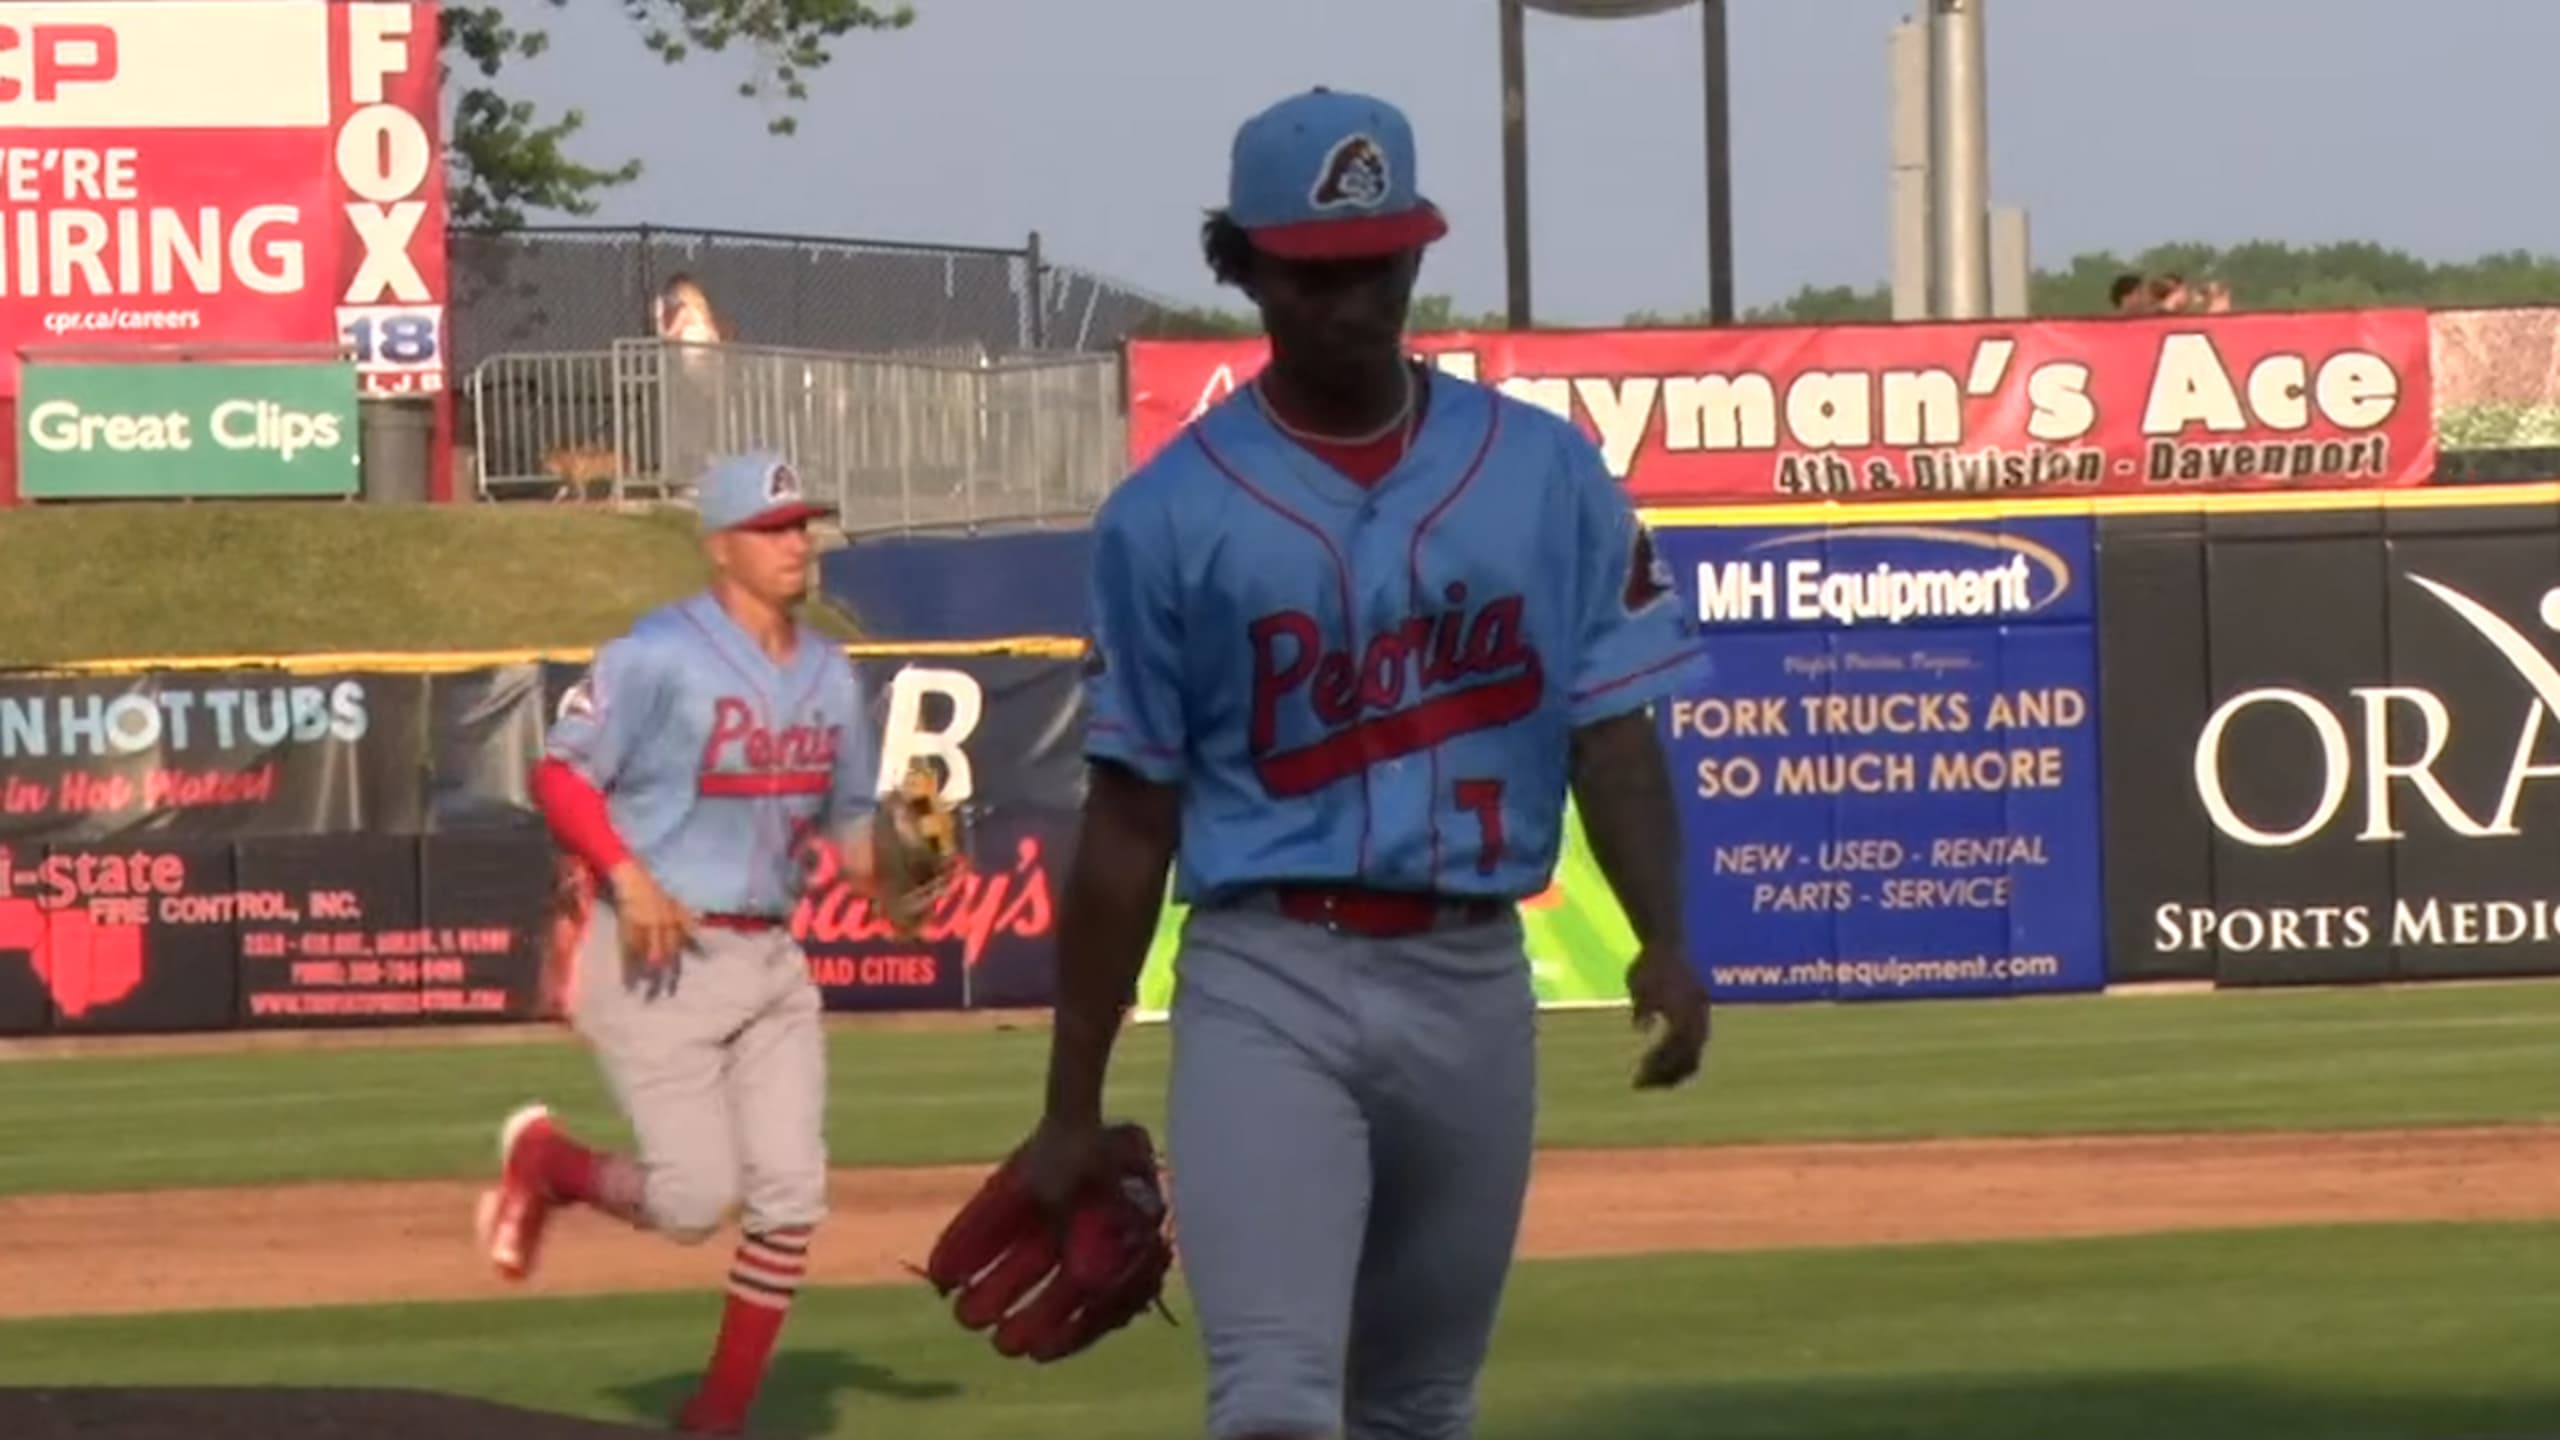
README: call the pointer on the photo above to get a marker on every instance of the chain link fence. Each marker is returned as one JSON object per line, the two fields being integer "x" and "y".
{"x": 916, "y": 385}
{"x": 585, "y": 287}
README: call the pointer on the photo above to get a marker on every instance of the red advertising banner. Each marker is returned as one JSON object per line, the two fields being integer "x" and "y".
{"x": 221, "y": 173}
{"x": 1928, "y": 411}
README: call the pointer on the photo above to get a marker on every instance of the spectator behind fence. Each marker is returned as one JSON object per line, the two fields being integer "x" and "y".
{"x": 2130, "y": 295}
{"x": 684, "y": 313}
{"x": 689, "y": 396}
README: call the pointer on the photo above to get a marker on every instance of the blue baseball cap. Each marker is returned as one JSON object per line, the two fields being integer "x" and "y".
{"x": 755, "y": 491}
{"x": 1329, "y": 175}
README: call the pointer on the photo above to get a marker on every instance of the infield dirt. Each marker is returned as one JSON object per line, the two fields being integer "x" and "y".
{"x": 344, "y": 1243}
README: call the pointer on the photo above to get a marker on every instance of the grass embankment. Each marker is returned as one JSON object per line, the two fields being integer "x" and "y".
{"x": 96, "y": 582}
{"x": 2327, "y": 1060}
{"x": 2395, "y": 1333}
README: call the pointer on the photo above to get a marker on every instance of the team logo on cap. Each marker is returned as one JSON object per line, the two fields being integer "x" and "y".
{"x": 1354, "y": 176}
{"x": 782, "y": 483}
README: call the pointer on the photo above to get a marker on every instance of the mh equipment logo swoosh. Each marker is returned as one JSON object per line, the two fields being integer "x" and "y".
{"x": 1994, "y": 575}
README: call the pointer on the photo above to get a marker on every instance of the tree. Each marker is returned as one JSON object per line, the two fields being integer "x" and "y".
{"x": 2262, "y": 275}
{"x": 1430, "y": 314}
{"x": 1439, "y": 312}
{"x": 1195, "y": 323}
{"x": 505, "y": 159}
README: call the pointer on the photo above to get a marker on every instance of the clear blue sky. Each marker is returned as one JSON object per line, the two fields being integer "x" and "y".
{"x": 2116, "y": 125}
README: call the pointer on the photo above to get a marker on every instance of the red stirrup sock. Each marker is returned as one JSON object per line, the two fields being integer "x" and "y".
{"x": 575, "y": 1174}
{"x": 762, "y": 1282}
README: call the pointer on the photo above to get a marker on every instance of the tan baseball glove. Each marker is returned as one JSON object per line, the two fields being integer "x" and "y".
{"x": 915, "y": 849}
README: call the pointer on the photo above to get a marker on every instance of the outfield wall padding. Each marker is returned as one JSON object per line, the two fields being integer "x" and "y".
{"x": 2380, "y": 799}
{"x": 952, "y": 589}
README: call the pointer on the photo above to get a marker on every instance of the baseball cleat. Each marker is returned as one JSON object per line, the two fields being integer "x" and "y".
{"x": 511, "y": 1217}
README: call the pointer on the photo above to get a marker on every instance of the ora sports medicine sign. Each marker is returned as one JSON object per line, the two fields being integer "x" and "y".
{"x": 98, "y": 432}
{"x": 2372, "y": 764}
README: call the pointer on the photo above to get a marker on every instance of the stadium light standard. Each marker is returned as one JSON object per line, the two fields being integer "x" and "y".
{"x": 1715, "y": 67}
{"x": 1959, "y": 160}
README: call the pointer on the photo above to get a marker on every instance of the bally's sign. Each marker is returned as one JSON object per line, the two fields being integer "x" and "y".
{"x": 1876, "y": 575}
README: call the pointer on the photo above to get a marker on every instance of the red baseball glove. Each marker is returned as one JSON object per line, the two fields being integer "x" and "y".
{"x": 997, "y": 1252}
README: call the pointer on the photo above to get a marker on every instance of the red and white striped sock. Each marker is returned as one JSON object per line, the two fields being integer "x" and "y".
{"x": 763, "y": 1280}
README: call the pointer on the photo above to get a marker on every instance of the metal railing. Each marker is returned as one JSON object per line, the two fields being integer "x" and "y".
{"x": 947, "y": 437}
{"x": 581, "y": 287}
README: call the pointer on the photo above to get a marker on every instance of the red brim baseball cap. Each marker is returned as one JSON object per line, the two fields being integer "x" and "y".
{"x": 783, "y": 517}
{"x": 1329, "y": 175}
{"x": 755, "y": 491}
{"x": 1358, "y": 238}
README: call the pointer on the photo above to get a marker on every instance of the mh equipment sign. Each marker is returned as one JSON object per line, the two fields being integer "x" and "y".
{"x": 193, "y": 174}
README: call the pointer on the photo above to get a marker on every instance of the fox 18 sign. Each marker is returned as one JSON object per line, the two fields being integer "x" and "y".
{"x": 1889, "y": 781}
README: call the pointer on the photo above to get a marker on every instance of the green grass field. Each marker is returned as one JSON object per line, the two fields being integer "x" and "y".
{"x": 2276, "y": 1060}
{"x": 87, "y": 582}
{"x": 2389, "y": 1331}
{"x": 2429, "y": 1332}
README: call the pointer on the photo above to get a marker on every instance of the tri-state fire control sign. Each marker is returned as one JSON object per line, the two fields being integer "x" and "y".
{"x": 109, "y": 432}
{"x": 204, "y": 175}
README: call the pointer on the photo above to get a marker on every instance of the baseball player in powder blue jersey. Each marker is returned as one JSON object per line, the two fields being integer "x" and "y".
{"x": 691, "y": 768}
{"x": 1358, "y": 631}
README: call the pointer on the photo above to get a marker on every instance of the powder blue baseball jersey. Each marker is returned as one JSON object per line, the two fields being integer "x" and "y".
{"x": 714, "y": 760}
{"x": 1374, "y": 686}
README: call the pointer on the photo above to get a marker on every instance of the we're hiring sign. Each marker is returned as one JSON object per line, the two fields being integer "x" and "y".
{"x": 223, "y": 173}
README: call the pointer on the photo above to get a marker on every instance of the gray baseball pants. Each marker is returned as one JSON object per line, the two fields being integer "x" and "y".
{"x": 1349, "y": 1137}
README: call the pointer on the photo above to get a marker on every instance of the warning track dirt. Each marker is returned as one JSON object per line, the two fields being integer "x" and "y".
{"x": 409, "y": 1242}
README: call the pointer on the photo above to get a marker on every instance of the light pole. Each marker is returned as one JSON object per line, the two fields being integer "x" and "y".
{"x": 1515, "y": 161}
{"x": 1959, "y": 159}
{"x": 1715, "y": 65}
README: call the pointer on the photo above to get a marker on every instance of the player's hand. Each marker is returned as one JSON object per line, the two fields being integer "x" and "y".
{"x": 1666, "y": 988}
{"x": 1059, "y": 1160}
{"x": 654, "y": 925}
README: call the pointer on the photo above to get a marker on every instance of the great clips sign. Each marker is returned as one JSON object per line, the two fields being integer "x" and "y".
{"x": 223, "y": 173}
{"x": 1855, "y": 412}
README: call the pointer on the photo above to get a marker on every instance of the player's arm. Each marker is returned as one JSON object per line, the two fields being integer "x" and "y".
{"x": 1638, "y": 645}
{"x": 853, "y": 795}
{"x": 1107, "y": 917}
{"x": 1135, "y": 739}
{"x": 589, "y": 749}
{"x": 1622, "y": 783}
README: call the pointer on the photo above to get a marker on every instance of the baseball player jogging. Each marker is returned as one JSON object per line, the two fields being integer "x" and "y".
{"x": 692, "y": 765}
{"x": 1356, "y": 632}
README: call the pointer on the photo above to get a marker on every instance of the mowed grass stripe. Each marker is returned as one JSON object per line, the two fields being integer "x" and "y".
{"x": 2345, "y": 1059}
{"x": 2422, "y": 1331}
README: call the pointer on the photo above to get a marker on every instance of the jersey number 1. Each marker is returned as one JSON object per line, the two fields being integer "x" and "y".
{"x": 1483, "y": 799}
